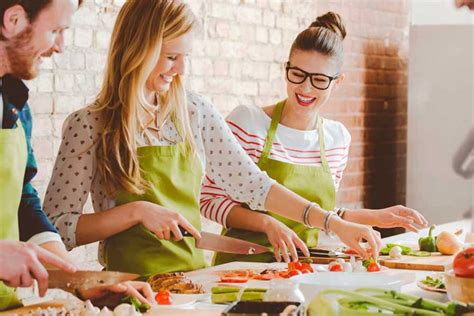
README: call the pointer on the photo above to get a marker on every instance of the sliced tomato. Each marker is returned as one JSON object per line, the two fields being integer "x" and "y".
{"x": 234, "y": 279}
{"x": 373, "y": 267}
{"x": 164, "y": 298}
{"x": 294, "y": 265}
{"x": 294, "y": 272}
{"x": 284, "y": 274}
{"x": 350, "y": 251}
{"x": 264, "y": 277}
{"x": 304, "y": 271}
{"x": 306, "y": 266}
{"x": 336, "y": 268}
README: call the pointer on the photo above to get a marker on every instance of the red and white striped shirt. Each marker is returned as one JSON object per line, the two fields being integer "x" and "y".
{"x": 250, "y": 124}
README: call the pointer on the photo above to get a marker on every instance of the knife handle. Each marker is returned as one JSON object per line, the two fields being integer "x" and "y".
{"x": 184, "y": 232}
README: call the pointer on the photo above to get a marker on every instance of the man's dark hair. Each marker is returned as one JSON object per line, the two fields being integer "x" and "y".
{"x": 32, "y": 7}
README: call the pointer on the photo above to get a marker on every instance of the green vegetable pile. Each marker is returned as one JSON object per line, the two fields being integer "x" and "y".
{"x": 434, "y": 282}
{"x": 139, "y": 306}
{"x": 407, "y": 251}
{"x": 367, "y": 301}
{"x": 229, "y": 294}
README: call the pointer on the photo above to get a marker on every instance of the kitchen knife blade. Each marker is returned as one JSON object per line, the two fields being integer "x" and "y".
{"x": 324, "y": 253}
{"x": 219, "y": 243}
{"x": 79, "y": 280}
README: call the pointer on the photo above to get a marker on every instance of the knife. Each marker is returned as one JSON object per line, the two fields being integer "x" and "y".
{"x": 314, "y": 252}
{"x": 219, "y": 243}
{"x": 80, "y": 280}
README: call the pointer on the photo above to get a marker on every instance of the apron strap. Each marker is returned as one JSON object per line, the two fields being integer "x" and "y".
{"x": 272, "y": 130}
{"x": 324, "y": 161}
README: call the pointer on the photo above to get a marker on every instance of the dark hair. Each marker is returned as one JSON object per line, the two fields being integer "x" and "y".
{"x": 324, "y": 35}
{"x": 31, "y": 7}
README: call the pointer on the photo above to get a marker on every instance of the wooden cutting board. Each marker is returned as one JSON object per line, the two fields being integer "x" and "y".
{"x": 31, "y": 308}
{"x": 436, "y": 262}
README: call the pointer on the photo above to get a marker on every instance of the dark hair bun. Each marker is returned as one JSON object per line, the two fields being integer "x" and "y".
{"x": 331, "y": 21}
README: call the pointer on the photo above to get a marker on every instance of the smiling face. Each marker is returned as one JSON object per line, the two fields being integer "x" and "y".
{"x": 172, "y": 62}
{"x": 303, "y": 98}
{"x": 39, "y": 39}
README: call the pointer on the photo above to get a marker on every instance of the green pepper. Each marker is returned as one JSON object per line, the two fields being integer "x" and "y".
{"x": 428, "y": 243}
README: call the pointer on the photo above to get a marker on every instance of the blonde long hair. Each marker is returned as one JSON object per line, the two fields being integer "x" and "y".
{"x": 142, "y": 26}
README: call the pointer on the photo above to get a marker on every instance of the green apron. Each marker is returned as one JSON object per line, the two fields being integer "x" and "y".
{"x": 314, "y": 183}
{"x": 175, "y": 178}
{"x": 13, "y": 156}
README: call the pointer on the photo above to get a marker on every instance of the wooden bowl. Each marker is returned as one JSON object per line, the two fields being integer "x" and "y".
{"x": 459, "y": 289}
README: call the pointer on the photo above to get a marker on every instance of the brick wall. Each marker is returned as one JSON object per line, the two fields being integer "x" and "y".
{"x": 238, "y": 59}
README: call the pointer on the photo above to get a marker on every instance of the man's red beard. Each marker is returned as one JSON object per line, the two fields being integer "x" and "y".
{"x": 21, "y": 55}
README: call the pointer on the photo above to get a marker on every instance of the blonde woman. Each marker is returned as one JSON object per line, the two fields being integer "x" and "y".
{"x": 142, "y": 148}
{"x": 298, "y": 148}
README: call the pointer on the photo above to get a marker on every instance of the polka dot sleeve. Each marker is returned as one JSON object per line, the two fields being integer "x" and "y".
{"x": 72, "y": 176}
{"x": 228, "y": 164}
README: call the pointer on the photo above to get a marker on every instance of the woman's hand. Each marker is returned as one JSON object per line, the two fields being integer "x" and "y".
{"x": 395, "y": 216}
{"x": 163, "y": 222}
{"x": 283, "y": 239}
{"x": 111, "y": 295}
{"x": 352, "y": 234}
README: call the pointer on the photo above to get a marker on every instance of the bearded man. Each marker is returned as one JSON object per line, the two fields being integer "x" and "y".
{"x": 30, "y": 30}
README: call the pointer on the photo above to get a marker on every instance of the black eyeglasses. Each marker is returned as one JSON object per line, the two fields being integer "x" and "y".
{"x": 297, "y": 76}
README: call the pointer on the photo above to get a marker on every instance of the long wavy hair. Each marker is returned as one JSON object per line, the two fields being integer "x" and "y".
{"x": 142, "y": 26}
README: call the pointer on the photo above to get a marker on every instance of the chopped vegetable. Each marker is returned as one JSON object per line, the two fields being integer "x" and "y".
{"x": 228, "y": 294}
{"x": 395, "y": 252}
{"x": 337, "y": 267}
{"x": 234, "y": 279}
{"x": 139, "y": 306}
{"x": 379, "y": 302}
{"x": 163, "y": 298}
{"x": 373, "y": 267}
{"x": 434, "y": 282}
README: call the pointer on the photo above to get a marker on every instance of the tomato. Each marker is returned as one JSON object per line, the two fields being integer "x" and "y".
{"x": 373, "y": 267}
{"x": 294, "y": 272}
{"x": 306, "y": 266}
{"x": 463, "y": 264}
{"x": 163, "y": 297}
{"x": 284, "y": 274}
{"x": 294, "y": 265}
{"x": 306, "y": 271}
{"x": 234, "y": 279}
{"x": 264, "y": 277}
{"x": 350, "y": 251}
{"x": 336, "y": 268}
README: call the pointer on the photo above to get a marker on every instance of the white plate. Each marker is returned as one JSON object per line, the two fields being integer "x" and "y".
{"x": 178, "y": 301}
{"x": 324, "y": 268}
{"x": 311, "y": 283}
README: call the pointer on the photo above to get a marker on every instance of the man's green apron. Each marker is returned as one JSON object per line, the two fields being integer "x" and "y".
{"x": 174, "y": 175}
{"x": 314, "y": 183}
{"x": 13, "y": 156}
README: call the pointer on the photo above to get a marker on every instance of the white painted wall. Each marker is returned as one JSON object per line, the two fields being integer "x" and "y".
{"x": 440, "y": 108}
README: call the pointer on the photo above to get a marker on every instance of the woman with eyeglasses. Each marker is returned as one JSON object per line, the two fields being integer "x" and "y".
{"x": 299, "y": 149}
{"x": 142, "y": 148}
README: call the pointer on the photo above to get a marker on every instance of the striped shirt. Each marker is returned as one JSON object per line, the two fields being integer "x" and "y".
{"x": 250, "y": 124}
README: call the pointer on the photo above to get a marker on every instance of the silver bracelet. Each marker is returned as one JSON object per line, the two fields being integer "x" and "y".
{"x": 340, "y": 211}
{"x": 306, "y": 214}
{"x": 327, "y": 217}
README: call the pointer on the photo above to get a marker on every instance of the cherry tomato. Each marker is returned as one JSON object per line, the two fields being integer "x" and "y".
{"x": 336, "y": 268}
{"x": 463, "y": 264}
{"x": 163, "y": 297}
{"x": 294, "y": 272}
{"x": 373, "y": 267}
{"x": 304, "y": 271}
{"x": 234, "y": 279}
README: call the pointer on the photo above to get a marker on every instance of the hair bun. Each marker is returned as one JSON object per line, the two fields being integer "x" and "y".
{"x": 331, "y": 21}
